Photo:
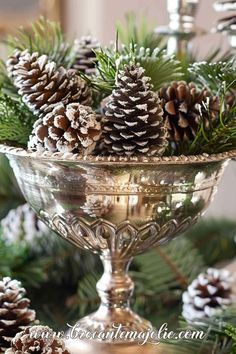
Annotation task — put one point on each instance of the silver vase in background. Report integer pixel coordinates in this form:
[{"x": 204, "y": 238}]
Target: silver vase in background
[{"x": 182, "y": 28}]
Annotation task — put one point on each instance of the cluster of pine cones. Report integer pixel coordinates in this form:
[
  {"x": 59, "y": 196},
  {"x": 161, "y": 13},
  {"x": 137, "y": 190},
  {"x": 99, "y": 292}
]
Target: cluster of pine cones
[
  {"x": 18, "y": 334},
  {"x": 136, "y": 120}
]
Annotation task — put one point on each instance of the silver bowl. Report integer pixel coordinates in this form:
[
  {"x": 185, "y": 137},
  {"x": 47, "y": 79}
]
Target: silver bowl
[{"x": 117, "y": 208}]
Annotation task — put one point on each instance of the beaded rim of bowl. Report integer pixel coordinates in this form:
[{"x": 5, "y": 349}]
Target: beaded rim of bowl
[{"x": 111, "y": 159}]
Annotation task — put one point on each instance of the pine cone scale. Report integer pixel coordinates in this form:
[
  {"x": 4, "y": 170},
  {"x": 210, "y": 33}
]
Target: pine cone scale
[
  {"x": 186, "y": 108},
  {"x": 14, "y": 311},
  {"x": 42, "y": 85},
  {"x": 66, "y": 129}
]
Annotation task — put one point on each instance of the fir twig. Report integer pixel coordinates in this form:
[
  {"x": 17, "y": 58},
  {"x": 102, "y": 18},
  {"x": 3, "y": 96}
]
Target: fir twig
[
  {"x": 160, "y": 67},
  {"x": 16, "y": 121},
  {"x": 44, "y": 37},
  {"x": 139, "y": 30}
]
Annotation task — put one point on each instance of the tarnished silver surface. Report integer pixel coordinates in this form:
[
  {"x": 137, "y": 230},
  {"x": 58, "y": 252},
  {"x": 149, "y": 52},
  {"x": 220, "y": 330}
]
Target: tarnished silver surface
[
  {"x": 181, "y": 28},
  {"x": 117, "y": 209}
]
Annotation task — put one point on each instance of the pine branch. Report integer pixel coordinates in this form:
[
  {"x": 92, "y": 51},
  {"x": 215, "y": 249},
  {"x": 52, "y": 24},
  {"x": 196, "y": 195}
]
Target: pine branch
[
  {"x": 214, "y": 239},
  {"x": 215, "y": 76},
  {"x": 16, "y": 262},
  {"x": 219, "y": 330},
  {"x": 44, "y": 37},
  {"x": 16, "y": 121},
  {"x": 140, "y": 31},
  {"x": 158, "y": 66}
]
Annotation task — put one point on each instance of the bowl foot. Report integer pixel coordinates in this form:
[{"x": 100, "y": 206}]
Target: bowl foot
[{"x": 92, "y": 347}]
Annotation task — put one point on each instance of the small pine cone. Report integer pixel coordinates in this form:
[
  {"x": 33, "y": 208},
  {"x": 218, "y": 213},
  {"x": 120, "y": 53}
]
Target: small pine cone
[
  {"x": 42, "y": 85},
  {"x": 134, "y": 116},
  {"x": 186, "y": 108},
  {"x": 66, "y": 129},
  {"x": 22, "y": 224},
  {"x": 85, "y": 58},
  {"x": 15, "y": 314},
  {"x": 37, "y": 339},
  {"x": 97, "y": 206},
  {"x": 13, "y": 60},
  {"x": 207, "y": 294}
]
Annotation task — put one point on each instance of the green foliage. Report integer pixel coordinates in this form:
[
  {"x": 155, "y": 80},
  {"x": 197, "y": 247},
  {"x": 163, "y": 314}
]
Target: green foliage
[
  {"x": 231, "y": 332},
  {"x": 16, "y": 262},
  {"x": 44, "y": 37},
  {"x": 219, "y": 334},
  {"x": 216, "y": 76},
  {"x": 140, "y": 31},
  {"x": 158, "y": 66},
  {"x": 214, "y": 239},
  {"x": 219, "y": 137},
  {"x": 6, "y": 85},
  {"x": 16, "y": 121},
  {"x": 10, "y": 196}
]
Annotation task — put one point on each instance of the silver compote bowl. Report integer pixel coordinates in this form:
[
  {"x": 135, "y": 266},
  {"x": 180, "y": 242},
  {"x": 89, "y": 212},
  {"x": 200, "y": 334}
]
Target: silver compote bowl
[{"x": 117, "y": 208}]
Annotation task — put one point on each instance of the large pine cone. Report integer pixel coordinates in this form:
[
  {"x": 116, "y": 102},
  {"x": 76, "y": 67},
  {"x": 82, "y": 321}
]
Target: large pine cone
[
  {"x": 207, "y": 294},
  {"x": 134, "y": 116},
  {"x": 186, "y": 108},
  {"x": 15, "y": 314},
  {"x": 37, "y": 339},
  {"x": 85, "y": 59},
  {"x": 22, "y": 224},
  {"x": 66, "y": 129},
  {"x": 43, "y": 85}
]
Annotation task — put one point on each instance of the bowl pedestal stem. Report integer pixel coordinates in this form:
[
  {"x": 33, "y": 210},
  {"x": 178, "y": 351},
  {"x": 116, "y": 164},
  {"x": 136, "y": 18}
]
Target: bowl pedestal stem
[{"x": 114, "y": 317}]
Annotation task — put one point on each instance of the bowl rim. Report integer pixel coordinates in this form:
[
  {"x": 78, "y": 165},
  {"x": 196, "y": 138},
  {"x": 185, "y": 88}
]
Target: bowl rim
[{"x": 111, "y": 159}]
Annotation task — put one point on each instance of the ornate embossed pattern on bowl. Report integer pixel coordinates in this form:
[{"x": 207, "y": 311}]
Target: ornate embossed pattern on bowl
[{"x": 120, "y": 209}]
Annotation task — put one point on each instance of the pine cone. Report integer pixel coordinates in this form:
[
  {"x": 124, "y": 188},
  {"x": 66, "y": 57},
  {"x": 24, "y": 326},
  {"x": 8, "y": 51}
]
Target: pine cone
[
  {"x": 15, "y": 314},
  {"x": 85, "y": 58},
  {"x": 134, "y": 116},
  {"x": 13, "y": 60},
  {"x": 37, "y": 339},
  {"x": 97, "y": 206},
  {"x": 207, "y": 294},
  {"x": 186, "y": 108},
  {"x": 43, "y": 85},
  {"x": 22, "y": 224},
  {"x": 66, "y": 129}
]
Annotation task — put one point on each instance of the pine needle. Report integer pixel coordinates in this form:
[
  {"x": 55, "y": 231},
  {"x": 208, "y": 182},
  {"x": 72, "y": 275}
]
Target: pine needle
[
  {"x": 44, "y": 37},
  {"x": 160, "y": 67},
  {"x": 16, "y": 121}
]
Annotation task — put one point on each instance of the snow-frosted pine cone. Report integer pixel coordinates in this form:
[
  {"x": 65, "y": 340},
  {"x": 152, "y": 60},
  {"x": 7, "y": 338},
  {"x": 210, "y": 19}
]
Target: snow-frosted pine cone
[
  {"x": 85, "y": 58},
  {"x": 43, "y": 85},
  {"x": 207, "y": 294},
  {"x": 22, "y": 224},
  {"x": 37, "y": 339},
  {"x": 69, "y": 128},
  {"x": 15, "y": 314},
  {"x": 134, "y": 117}
]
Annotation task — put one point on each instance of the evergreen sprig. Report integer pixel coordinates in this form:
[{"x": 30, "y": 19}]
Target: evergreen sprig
[
  {"x": 16, "y": 121},
  {"x": 44, "y": 37},
  {"x": 221, "y": 135},
  {"x": 231, "y": 332},
  {"x": 160, "y": 67},
  {"x": 215, "y": 76},
  {"x": 140, "y": 31}
]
